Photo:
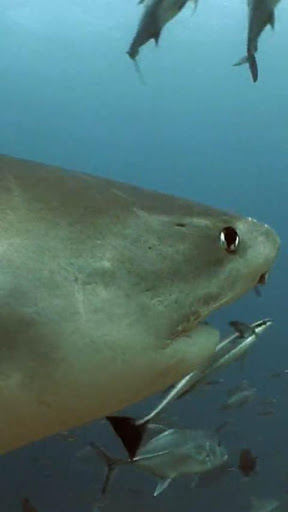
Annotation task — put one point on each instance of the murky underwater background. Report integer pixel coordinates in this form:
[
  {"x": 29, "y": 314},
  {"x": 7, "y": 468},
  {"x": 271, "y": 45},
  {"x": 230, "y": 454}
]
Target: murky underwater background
[{"x": 201, "y": 129}]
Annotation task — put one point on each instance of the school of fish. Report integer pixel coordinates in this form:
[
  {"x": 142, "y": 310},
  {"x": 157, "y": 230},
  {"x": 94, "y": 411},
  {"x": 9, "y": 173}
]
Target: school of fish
[{"x": 157, "y": 13}]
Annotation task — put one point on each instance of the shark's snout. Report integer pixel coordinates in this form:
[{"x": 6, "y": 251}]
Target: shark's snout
[{"x": 268, "y": 244}]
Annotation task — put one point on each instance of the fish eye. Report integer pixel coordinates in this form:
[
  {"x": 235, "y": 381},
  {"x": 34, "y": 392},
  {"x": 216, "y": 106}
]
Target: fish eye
[{"x": 229, "y": 239}]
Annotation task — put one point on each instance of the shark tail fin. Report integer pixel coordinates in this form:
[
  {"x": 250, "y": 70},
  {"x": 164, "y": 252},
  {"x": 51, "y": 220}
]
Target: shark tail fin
[
  {"x": 129, "y": 431},
  {"x": 111, "y": 464}
]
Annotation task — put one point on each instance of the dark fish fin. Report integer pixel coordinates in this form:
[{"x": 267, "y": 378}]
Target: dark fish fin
[
  {"x": 139, "y": 72},
  {"x": 253, "y": 66},
  {"x": 156, "y": 36},
  {"x": 162, "y": 484},
  {"x": 251, "y": 60},
  {"x": 241, "y": 328},
  {"x": 132, "y": 53},
  {"x": 129, "y": 432},
  {"x": 110, "y": 463},
  {"x": 272, "y": 19}
]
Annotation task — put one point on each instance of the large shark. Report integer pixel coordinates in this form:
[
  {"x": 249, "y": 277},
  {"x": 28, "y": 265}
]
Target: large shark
[{"x": 103, "y": 287}]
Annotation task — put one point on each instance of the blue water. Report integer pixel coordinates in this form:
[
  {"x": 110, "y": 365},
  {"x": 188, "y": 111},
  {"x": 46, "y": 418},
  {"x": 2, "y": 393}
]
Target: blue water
[{"x": 199, "y": 128}]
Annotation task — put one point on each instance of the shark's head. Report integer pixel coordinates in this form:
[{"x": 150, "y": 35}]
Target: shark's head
[
  {"x": 187, "y": 263},
  {"x": 103, "y": 290}
]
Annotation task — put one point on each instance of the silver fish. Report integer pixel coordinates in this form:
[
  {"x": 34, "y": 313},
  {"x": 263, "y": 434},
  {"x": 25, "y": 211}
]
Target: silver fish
[
  {"x": 157, "y": 13},
  {"x": 264, "y": 505},
  {"x": 239, "y": 396},
  {"x": 261, "y": 14},
  {"x": 173, "y": 453},
  {"x": 103, "y": 288},
  {"x": 131, "y": 431}
]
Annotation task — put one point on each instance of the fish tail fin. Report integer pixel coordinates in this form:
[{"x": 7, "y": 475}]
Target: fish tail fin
[
  {"x": 129, "y": 431},
  {"x": 240, "y": 62},
  {"x": 139, "y": 72},
  {"x": 252, "y": 62},
  {"x": 133, "y": 56},
  {"x": 111, "y": 464},
  {"x": 132, "y": 53},
  {"x": 253, "y": 66}
]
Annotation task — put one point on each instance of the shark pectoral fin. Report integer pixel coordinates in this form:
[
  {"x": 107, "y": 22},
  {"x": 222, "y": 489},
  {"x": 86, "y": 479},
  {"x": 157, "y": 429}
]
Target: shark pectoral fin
[
  {"x": 162, "y": 485},
  {"x": 129, "y": 432}
]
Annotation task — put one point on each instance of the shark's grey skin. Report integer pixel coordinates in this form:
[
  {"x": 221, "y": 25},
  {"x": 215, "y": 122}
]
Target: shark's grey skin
[
  {"x": 102, "y": 288},
  {"x": 260, "y": 14},
  {"x": 157, "y": 13}
]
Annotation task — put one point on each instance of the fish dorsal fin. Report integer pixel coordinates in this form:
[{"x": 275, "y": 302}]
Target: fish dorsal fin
[
  {"x": 162, "y": 485},
  {"x": 156, "y": 36},
  {"x": 150, "y": 456},
  {"x": 272, "y": 19}
]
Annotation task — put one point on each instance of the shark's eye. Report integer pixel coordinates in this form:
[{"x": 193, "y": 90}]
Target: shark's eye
[{"x": 229, "y": 239}]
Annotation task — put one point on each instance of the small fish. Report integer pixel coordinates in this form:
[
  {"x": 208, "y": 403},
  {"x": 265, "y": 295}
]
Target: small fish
[
  {"x": 131, "y": 431},
  {"x": 212, "y": 382},
  {"x": 242, "y": 345},
  {"x": 247, "y": 462},
  {"x": 27, "y": 506},
  {"x": 266, "y": 412},
  {"x": 173, "y": 453},
  {"x": 260, "y": 14},
  {"x": 264, "y": 505},
  {"x": 278, "y": 374},
  {"x": 244, "y": 330},
  {"x": 157, "y": 13},
  {"x": 239, "y": 396}
]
